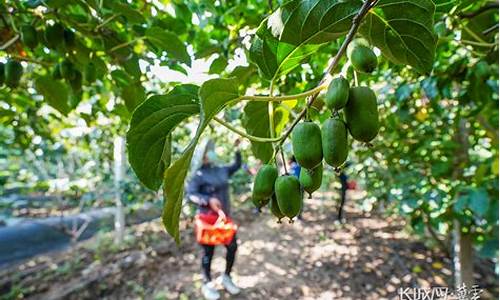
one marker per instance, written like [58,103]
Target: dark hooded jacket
[212,181]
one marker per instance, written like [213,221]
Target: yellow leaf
[416,269]
[437,265]
[290,103]
[421,114]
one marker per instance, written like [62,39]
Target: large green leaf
[479,201]
[169,42]
[133,95]
[214,95]
[133,16]
[403,31]
[218,65]
[150,126]
[256,122]
[297,30]
[55,93]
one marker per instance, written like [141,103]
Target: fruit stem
[356,22]
[284,161]
[286,97]
[355,78]
[27,59]
[246,135]
[270,112]
[123,45]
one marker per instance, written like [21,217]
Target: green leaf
[256,122]
[214,95]
[218,65]
[461,203]
[445,5]
[169,42]
[479,201]
[151,124]
[133,94]
[403,31]
[489,249]
[297,30]
[55,93]
[133,16]
[121,78]
[131,66]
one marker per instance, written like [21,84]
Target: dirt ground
[368,257]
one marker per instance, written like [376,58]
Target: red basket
[352,185]
[214,229]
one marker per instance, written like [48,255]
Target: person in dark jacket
[209,190]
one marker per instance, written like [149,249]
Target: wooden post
[119,173]
[463,251]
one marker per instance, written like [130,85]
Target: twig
[105,22]
[9,42]
[490,30]
[433,233]
[492,5]
[126,44]
[246,135]
[31,60]
[286,97]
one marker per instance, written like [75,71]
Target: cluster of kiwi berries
[311,144]
[55,37]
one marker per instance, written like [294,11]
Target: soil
[367,257]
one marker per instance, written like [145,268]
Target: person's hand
[237,143]
[214,204]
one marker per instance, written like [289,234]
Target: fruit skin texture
[13,73]
[306,144]
[334,140]
[54,35]
[275,210]
[337,94]
[263,186]
[311,179]
[361,56]
[361,114]
[288,195]
[259,202]
[2,73]
[29,36]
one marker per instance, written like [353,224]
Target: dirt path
[366,258]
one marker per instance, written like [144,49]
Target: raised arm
[232,168]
